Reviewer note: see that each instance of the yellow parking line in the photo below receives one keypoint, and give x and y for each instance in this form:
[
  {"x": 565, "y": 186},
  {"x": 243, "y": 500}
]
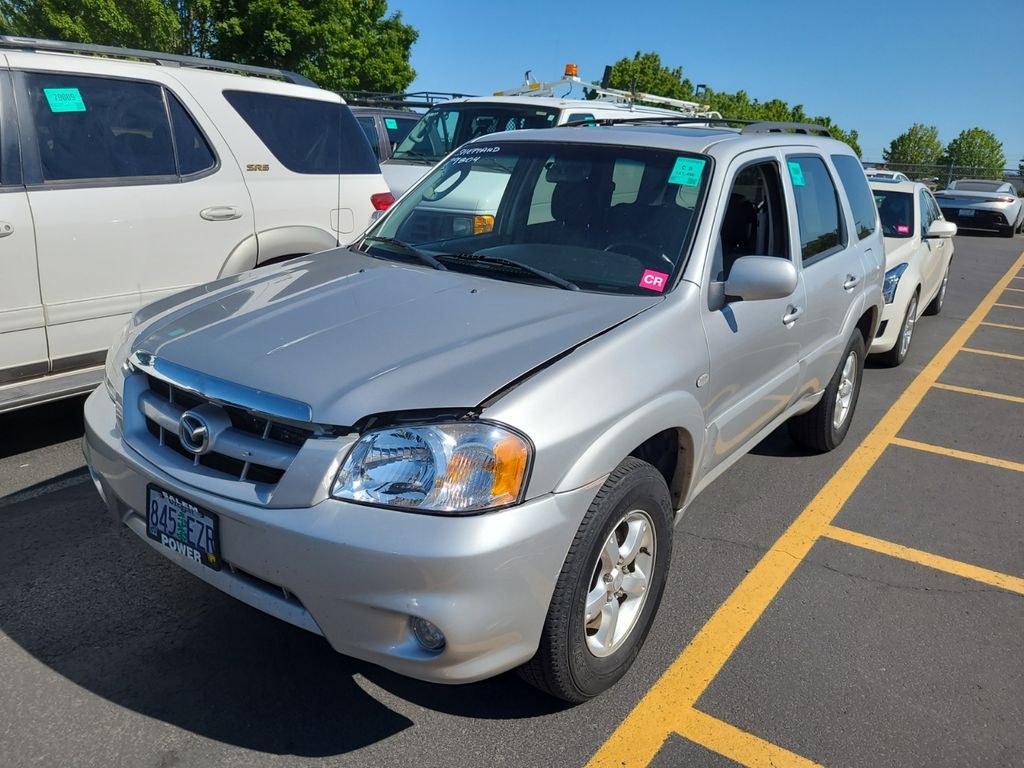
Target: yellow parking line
[
  {"x": 660, "y": 711},
  {"x": 1004, "y": 325},
  {"x": 979, "y": 392},
  {"x": 735, "y": 744},
  {"x": 938, "y": 562},
  {"x": 953, "y": 453},
  {"x": 1009, "y": 306},
  {"x": 1007, "y": 355}
]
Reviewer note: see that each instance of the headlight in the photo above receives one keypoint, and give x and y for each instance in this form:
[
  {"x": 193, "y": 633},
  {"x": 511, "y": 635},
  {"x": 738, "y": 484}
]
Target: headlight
[
  {"x": 892, "y": 279},
  {"x": 453, "y": 468}
]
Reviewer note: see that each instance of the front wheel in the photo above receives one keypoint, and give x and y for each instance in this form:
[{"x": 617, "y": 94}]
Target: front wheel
[
  {"x": 898, "y": 353},
  {"x": 825, "y": 426},
  {"x": 609, "y": 588}
]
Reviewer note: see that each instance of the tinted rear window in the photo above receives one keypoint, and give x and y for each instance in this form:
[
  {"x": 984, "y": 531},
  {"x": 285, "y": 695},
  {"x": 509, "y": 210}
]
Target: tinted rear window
[
  {"x": 306, "y": 135},
  {"x": 861, "y": 202}
]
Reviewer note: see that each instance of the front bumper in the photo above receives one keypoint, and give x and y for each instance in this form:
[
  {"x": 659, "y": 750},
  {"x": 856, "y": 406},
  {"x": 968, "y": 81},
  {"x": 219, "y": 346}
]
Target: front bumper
[{"x": 356, "y": 574}]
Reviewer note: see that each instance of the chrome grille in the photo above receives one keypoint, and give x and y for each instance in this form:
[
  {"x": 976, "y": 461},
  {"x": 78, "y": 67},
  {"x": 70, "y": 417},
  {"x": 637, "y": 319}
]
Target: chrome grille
[{"x": 254, "y": 448}]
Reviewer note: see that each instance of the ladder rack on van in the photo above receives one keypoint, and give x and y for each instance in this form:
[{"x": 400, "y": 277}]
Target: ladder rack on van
[
  {"x": 748, "y": 126},
  {"x": 9, "y": 42},
  {"x": 531, "y": 87}
]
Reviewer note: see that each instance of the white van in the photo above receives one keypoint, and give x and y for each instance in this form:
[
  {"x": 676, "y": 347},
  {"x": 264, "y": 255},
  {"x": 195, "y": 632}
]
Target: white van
[{"x": 122, "y": 182}]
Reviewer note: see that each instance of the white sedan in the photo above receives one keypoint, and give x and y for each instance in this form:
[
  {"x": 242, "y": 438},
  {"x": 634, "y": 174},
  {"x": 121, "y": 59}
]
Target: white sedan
[{"x": 918, "y": 249}]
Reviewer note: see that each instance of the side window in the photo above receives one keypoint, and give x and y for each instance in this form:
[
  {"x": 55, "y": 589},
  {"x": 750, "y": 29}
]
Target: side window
[
  {"x": 934, "y": 207},
  {"x": 862, "y": 203},
  {"x": 99, "y": 128},
  {"x": 306, "y": 135},
  {"x": 755, "y": 219},
  {"x": 194, "y": 153},
  {"x": 581, "y": 117},
  {"x": 817, "y": 207},
  {"x": 927, "y": 215},
  {"x": 398, "y": 127},
  {"x": 369, "y": 125}
]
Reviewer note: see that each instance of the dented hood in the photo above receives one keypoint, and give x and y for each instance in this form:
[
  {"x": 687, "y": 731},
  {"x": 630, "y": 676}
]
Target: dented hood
[{"x": 350, "y": 335}]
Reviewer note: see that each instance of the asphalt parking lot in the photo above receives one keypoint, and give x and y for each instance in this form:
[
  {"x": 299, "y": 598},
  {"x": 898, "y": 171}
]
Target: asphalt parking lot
[{"x": 860, "y": 608}]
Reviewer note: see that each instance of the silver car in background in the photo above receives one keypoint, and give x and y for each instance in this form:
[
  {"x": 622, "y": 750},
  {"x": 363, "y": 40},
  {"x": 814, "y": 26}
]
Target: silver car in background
[
  {"x": 983, "y": 204},
  {"x": 455, "y": 457}
]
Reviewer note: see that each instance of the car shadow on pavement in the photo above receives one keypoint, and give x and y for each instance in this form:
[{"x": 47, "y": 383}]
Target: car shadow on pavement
[
  {"x": 96, "y": 605},
  {"x": 40, "y": 426},
  {"x": 781, "y": 445}
]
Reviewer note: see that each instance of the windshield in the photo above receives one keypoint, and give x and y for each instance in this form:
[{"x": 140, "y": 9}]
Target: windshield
[
  {"x": 896, "y": 210},
  {"x": 445, "y": 128},
  {"x": 603, "y": 218}
]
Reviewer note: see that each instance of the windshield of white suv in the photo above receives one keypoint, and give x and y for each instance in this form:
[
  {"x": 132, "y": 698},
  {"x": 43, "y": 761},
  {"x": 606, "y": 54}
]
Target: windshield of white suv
[
  {"x": 444, "y": 128},
  {"x": 896, "y": 211},
  {"x": 580, "y": 216}
]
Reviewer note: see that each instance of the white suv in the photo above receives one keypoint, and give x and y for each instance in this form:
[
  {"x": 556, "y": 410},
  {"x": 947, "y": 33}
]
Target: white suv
[{"x": 125, "y": 181}]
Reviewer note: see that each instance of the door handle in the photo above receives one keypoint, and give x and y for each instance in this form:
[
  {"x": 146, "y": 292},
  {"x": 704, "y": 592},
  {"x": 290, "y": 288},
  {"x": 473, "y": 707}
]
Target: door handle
[
  {"x": 220, "y": 213},
  {"x": 6, "y": 229},
  {"x": 792, "y": 313},
  {"x": 852, "y": 281}
]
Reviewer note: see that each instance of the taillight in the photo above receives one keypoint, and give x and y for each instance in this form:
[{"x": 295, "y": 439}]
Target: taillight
[
  {"x": 382, "y": 201},
  {"x": 1007, "y": 199}
]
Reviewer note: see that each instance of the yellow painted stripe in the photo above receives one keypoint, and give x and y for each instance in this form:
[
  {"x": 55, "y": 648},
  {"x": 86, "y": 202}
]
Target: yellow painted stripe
[
  {"x": 979, "y": 392},
  {"x": 641, "y": 734},
  {"x": 1009, "y": 306},
  {"x": 737, "y": 745},
  {"x": 1007, "y": 355},
  {"x": 953, "y": 453},
  {"x": 938, "y": 562},
  {"x": 1003, "y": 325}
]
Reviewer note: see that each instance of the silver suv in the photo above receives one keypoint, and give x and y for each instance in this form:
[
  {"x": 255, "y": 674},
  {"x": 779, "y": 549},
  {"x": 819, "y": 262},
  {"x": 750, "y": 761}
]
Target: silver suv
[{"x": 454, "y": 457}]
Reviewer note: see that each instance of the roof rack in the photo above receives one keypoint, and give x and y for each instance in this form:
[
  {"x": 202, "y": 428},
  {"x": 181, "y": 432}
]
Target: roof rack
[
  {"x": 10, "y": 42},
  {"x": 749, "y": 126},
  {"x": 532, "y": 87},
  {"x": 412, "y": 100}
]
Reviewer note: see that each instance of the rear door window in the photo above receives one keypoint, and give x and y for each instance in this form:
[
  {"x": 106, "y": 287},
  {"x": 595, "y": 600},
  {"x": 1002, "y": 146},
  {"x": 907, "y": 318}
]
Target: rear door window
[
  {"x": 398, "y": 127},
  {"x": 306, "y": 135},
  {"x": 862, "y": 203},
  {"x": 817, "y": 207},
  {"x": 98, "y": 128},
  {"x": 194, "y": 153}
]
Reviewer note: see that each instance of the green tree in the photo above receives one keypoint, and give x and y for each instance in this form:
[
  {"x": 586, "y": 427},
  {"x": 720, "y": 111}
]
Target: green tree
[
  {"x": 976, "y": 152},
  {"x": 645, "y": 73},
  {"x": 918, "y": 145},
  {"x": 340, "y": 44},
  {"x": 149, "y": 24}
]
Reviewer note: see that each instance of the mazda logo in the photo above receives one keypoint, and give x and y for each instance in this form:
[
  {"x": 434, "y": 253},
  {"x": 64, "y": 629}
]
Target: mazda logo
[{"x": 194, "y": 433}]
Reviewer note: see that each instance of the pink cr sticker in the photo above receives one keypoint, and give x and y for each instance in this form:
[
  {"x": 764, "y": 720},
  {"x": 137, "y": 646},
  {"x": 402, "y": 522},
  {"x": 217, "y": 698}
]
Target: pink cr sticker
[
  {"x": 654, "y": 281},
  {"x": 902, "y": 229}
]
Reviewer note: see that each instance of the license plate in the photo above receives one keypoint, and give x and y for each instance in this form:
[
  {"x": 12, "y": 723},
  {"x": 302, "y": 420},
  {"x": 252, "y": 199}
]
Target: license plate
[
  {"x": 182, "y": 527},
  {"x": 967, "y": 212}
]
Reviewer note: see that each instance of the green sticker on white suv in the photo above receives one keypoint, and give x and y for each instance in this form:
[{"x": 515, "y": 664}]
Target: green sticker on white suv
[
  {"x": 64, "y": 99},
  {"x": 687, "y": 171}
]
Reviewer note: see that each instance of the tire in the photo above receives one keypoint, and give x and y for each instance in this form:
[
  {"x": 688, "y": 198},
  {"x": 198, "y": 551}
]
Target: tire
[
  {"x": 935, "y": 305},
  {"x": 898, "y": 353},
  {"x": 818, "y": 428},
  {"x": 575, "y": 661}
]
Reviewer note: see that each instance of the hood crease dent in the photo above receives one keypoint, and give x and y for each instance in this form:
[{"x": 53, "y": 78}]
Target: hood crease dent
[{"x": 351, "y": 335}]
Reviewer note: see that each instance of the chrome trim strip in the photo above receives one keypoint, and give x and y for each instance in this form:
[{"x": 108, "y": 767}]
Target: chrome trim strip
[{"x": 221, "y": 391}]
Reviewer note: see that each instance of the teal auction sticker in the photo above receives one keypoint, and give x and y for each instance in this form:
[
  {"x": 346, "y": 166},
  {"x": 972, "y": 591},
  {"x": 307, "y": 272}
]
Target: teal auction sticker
[
  {"x": 687, "y": 171},
  {"x": 796, "y": 173},
  {"x": 390, "y": 122},
  {"x": 64, "y": 99}
]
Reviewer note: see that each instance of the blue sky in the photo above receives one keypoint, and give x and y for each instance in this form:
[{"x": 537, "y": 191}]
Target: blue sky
[{"x": 877, "y": 66}]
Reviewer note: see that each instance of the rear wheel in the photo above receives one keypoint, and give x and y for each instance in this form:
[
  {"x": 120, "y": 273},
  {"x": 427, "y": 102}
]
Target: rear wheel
[
  {"x": 609, "y": 588},
  {"x": 825, "y": 426},
  {"x": 898, "y": 353}
]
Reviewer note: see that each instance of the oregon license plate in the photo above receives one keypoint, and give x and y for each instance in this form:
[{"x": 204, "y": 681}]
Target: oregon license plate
[
  {"x": 967, "y": 212},
  {"x": 182, "y": 527}
]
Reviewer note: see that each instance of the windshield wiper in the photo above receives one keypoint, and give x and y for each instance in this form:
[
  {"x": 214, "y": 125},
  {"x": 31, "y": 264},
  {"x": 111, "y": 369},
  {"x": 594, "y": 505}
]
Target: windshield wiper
[
  {"x": 477, "y": 258},
  {"x": 411, "y": 154},
  {"x": 423, "y": 256}
]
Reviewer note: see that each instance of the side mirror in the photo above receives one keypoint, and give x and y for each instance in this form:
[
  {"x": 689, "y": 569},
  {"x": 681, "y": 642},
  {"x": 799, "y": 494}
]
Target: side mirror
[
  {"x": 940, "y": 228},
  {"x": 754, "y": 278}
]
